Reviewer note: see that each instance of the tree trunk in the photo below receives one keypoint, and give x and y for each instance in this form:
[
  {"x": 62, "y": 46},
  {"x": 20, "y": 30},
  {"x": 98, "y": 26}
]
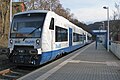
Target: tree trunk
[{"x": 5, "y": 11}]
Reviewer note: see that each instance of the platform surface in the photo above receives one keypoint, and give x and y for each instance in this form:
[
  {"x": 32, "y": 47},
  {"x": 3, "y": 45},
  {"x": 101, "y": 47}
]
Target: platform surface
[{"x": 87, "y": 63}]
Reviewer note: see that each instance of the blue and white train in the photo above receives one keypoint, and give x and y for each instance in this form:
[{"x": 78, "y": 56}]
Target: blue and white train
[{"x": 39, "y": 36}]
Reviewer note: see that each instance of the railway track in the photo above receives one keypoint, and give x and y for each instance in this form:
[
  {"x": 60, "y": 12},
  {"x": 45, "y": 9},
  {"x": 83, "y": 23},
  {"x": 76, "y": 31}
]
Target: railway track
[
  {"x": 4, "y": 64},
  {"x": 9, "y": 71},
  {"x": 13, "y": 73}
]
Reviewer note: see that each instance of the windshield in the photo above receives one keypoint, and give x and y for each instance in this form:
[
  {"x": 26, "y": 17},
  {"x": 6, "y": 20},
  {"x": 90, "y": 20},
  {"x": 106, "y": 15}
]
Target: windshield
[{"x": 24, "y": 24}]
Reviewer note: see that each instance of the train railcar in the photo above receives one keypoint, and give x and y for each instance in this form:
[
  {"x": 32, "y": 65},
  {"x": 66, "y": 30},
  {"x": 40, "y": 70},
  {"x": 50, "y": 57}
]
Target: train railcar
[
  {"x": 88, "y": 37},
  {"x": 39, "y": 36}
]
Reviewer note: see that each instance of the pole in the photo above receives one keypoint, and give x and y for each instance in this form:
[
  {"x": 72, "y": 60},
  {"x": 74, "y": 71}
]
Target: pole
[
  {"x": 108, "y": 29},
  {"x": 10, "y": 11},
  {"x": 50, "y": 5}
]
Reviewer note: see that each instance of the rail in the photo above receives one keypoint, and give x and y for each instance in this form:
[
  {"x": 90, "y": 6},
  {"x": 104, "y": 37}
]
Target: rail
[{"x": 13, "y": 73}]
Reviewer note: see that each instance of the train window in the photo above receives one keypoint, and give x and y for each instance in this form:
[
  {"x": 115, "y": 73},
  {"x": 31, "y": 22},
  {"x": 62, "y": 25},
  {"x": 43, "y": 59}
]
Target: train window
[
  {"x": 23, "y": 24},
  {"x": 61, "y": 34},
  {"x": 77, "y": 37},
  {"x": 52, "y": 24}
]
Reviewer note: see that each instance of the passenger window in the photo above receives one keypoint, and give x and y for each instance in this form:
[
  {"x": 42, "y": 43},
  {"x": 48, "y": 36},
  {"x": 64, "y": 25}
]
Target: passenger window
[
  {"x": 61, "y": 34},
  {"x": 52, "y": 24}
]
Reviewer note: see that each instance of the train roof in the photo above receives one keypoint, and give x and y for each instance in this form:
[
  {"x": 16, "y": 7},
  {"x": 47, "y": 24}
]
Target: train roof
[
  {"x": 46, "y": 11},
  {"x": 32, "y": 11}
]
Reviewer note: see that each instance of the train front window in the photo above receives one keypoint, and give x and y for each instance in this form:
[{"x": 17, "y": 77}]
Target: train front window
[{"x": 27, "y": 26}]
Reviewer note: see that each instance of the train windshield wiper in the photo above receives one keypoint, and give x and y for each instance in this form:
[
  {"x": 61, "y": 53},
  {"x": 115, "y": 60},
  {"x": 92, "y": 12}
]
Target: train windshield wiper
[{"x": 31, "y": 32}]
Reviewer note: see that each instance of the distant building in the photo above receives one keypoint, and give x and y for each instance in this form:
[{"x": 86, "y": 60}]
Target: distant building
[{"x": 18, "y": 7}]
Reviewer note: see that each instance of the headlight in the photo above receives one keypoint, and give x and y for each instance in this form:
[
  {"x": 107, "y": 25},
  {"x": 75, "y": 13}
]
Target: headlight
[
  {"x": 38, "y": 41},
  {"x": 11, "y": 41}
]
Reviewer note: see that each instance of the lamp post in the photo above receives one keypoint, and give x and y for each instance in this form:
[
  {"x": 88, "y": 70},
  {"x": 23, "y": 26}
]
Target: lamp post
[{"x": 107, "y": 27}]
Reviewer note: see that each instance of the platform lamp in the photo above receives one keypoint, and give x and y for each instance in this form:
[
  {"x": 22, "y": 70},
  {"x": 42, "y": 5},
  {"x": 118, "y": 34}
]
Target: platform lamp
[{"x": 107, "y": 27}]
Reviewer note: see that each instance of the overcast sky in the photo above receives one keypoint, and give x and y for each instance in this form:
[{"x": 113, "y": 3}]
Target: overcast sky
[{"x": 88, "y": 11}]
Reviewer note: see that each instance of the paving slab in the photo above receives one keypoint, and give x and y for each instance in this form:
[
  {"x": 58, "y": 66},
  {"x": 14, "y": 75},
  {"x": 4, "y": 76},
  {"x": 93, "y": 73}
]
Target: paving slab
[{"x": 87, "y": 63}]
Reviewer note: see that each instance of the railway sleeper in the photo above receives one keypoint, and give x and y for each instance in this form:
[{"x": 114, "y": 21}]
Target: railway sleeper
[{"x": 3, "y": 72}]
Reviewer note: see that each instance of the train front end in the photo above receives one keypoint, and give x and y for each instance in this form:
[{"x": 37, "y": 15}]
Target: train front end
[{"x": 25, "y": 38}]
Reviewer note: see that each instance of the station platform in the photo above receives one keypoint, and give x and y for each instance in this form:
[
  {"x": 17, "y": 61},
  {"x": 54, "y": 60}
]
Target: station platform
[{"x": 87, "y": 63}]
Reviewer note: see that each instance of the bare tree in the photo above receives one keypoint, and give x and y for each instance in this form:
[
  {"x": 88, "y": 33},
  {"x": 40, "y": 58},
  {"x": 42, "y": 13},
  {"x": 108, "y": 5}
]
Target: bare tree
[
  {"x": 115, "y": 23},
  {"x": 5, "y": 16},
  {"x": 117, "y": 10}
]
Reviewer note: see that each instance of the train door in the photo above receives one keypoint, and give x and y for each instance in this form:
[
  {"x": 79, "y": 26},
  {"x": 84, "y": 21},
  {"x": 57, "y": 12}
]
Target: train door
[
  {"x": 52, "y": 36},
  {"x": 70, "y": 38}
]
